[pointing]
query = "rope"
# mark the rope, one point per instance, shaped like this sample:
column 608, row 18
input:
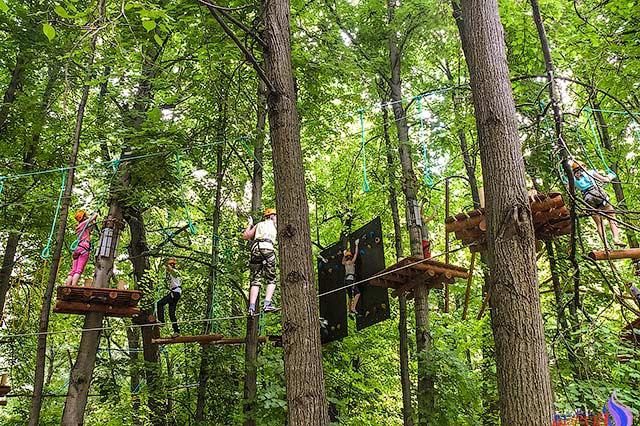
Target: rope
column 597, row 145
column 2, row 178
column 426, row 175
column 46, row 251
column 583, row 148
column 192, row 227
column 365, row 182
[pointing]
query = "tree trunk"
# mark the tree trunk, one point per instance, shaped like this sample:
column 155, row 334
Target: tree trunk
column 603, row 130
column 12, row 89
column 251, row 344
column 426, row 396
column 304, row 378
column 206, row 350
column 138, row 254
column 522, row 364
column 133, row 341
column 405, row 380
column 8, row 259
column 91, row 321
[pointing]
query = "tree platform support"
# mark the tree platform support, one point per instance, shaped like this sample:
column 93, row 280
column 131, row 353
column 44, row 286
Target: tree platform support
column 551, row 219
column 632, row 253
column 212, row 339
column 109, row 301
column 406, row 275
column 4, row 385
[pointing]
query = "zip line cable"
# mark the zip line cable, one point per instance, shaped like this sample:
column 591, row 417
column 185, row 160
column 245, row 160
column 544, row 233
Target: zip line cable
column 228, row 318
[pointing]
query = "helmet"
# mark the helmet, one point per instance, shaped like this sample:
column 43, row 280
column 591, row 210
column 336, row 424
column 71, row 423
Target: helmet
column 576, row 165
column 171, row 261
column 348, row 254
column 269, row 212
column 80, row 215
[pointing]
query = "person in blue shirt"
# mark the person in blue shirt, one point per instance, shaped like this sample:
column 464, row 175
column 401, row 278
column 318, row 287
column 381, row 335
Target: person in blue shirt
column 596, row 198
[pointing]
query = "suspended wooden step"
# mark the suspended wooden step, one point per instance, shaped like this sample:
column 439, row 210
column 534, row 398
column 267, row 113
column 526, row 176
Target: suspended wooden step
column 4, row 385
column 551, row 219
column 632, row 253
column 109, row 301
column 630, row 329
column 210, row 339
column 406, row 275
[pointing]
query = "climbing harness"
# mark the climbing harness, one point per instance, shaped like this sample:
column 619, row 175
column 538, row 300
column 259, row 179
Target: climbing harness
column 365, row 182
column 46, row 251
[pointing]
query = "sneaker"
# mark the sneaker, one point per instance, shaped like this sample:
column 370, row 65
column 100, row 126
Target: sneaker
column 619, row 243
column 270, row 308
column 252, row 312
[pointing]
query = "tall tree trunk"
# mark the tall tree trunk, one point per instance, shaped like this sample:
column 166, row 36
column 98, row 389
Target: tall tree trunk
column 524, row 382
column 251, row 341
column 91, row 321
column 405, row 380
column 426, row 395
column 8, row 258
column 304, row 377
column 206, row 351
column 603, row 130
column 12, row 89
column 133, row 341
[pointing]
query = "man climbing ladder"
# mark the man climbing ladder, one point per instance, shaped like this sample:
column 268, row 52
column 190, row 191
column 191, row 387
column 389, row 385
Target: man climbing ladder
column 263, row 259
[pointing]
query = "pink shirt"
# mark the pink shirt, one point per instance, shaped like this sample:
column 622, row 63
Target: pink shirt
column 83, row 230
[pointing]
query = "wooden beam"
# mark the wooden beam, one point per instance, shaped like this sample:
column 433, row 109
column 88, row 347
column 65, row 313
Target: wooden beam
column 81, row 308
column 632, row 253
column 4, row 390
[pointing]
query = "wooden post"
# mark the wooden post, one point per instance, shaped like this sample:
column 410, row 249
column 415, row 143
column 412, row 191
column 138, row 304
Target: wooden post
column 446, row 244
column 632, row 253
column 467, row 293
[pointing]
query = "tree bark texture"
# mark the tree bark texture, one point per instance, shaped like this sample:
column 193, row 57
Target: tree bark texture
column 12, row 90
column 304, row 378
column 43, row 326
column 405, row 380
column 522, row 364
column 251, row 343
column 207, row 350
column 426, row 395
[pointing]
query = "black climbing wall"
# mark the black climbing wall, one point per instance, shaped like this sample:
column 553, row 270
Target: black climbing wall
column 333, row 307
column 374, row 302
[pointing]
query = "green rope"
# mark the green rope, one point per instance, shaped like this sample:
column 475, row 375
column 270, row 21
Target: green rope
column 192, row 227
column 583, row 149
column 597, row 145
column 365, row 182
column 1, row 184
column 426, row 175
column 46, row 251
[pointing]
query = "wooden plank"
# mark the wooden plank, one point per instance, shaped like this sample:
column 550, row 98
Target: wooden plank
column 632, row 253
column 204, row 339
column 4, row 390
column 409, row 286
column 105, row 295
column 81, row 308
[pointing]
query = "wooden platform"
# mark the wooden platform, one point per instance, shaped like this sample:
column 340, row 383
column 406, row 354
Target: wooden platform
column 211, row 339
column 406, row 275
column 108, row 301
column 632, row 253
column 551, row 219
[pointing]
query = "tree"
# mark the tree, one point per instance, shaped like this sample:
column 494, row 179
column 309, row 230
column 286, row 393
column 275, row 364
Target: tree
column 523, row 369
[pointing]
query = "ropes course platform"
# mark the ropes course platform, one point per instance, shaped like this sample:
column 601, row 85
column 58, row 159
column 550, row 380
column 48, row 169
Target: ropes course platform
column 632, row 253
column 213, row 339
column 109, row 301
column 406, row 275
column 551, row 219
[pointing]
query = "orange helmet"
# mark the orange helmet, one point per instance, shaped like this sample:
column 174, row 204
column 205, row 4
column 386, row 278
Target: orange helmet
column 348, row 254
column 576, row 165
column 80, row 215
column 171, row 261
column 269, row 212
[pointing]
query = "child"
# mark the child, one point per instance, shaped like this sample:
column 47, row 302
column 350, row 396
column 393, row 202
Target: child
column 349, row 262
column 174, row 282
column 263, row 259
column 594, row 196
column 80, row 255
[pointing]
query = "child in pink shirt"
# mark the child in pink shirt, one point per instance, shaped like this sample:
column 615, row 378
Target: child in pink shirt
column 81, row 253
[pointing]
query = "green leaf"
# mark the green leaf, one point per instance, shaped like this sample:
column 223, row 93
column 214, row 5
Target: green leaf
column 3, row 6
column 62, row 12
column 49, row 31
column 149, row 25
column 154, row 114
column 158, row 40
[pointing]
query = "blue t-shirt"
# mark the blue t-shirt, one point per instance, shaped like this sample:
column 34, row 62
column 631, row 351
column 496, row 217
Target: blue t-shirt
column 586, row 181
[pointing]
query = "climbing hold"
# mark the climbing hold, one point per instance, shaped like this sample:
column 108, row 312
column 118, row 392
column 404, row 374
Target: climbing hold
column 362, row 252
column 377, row 240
